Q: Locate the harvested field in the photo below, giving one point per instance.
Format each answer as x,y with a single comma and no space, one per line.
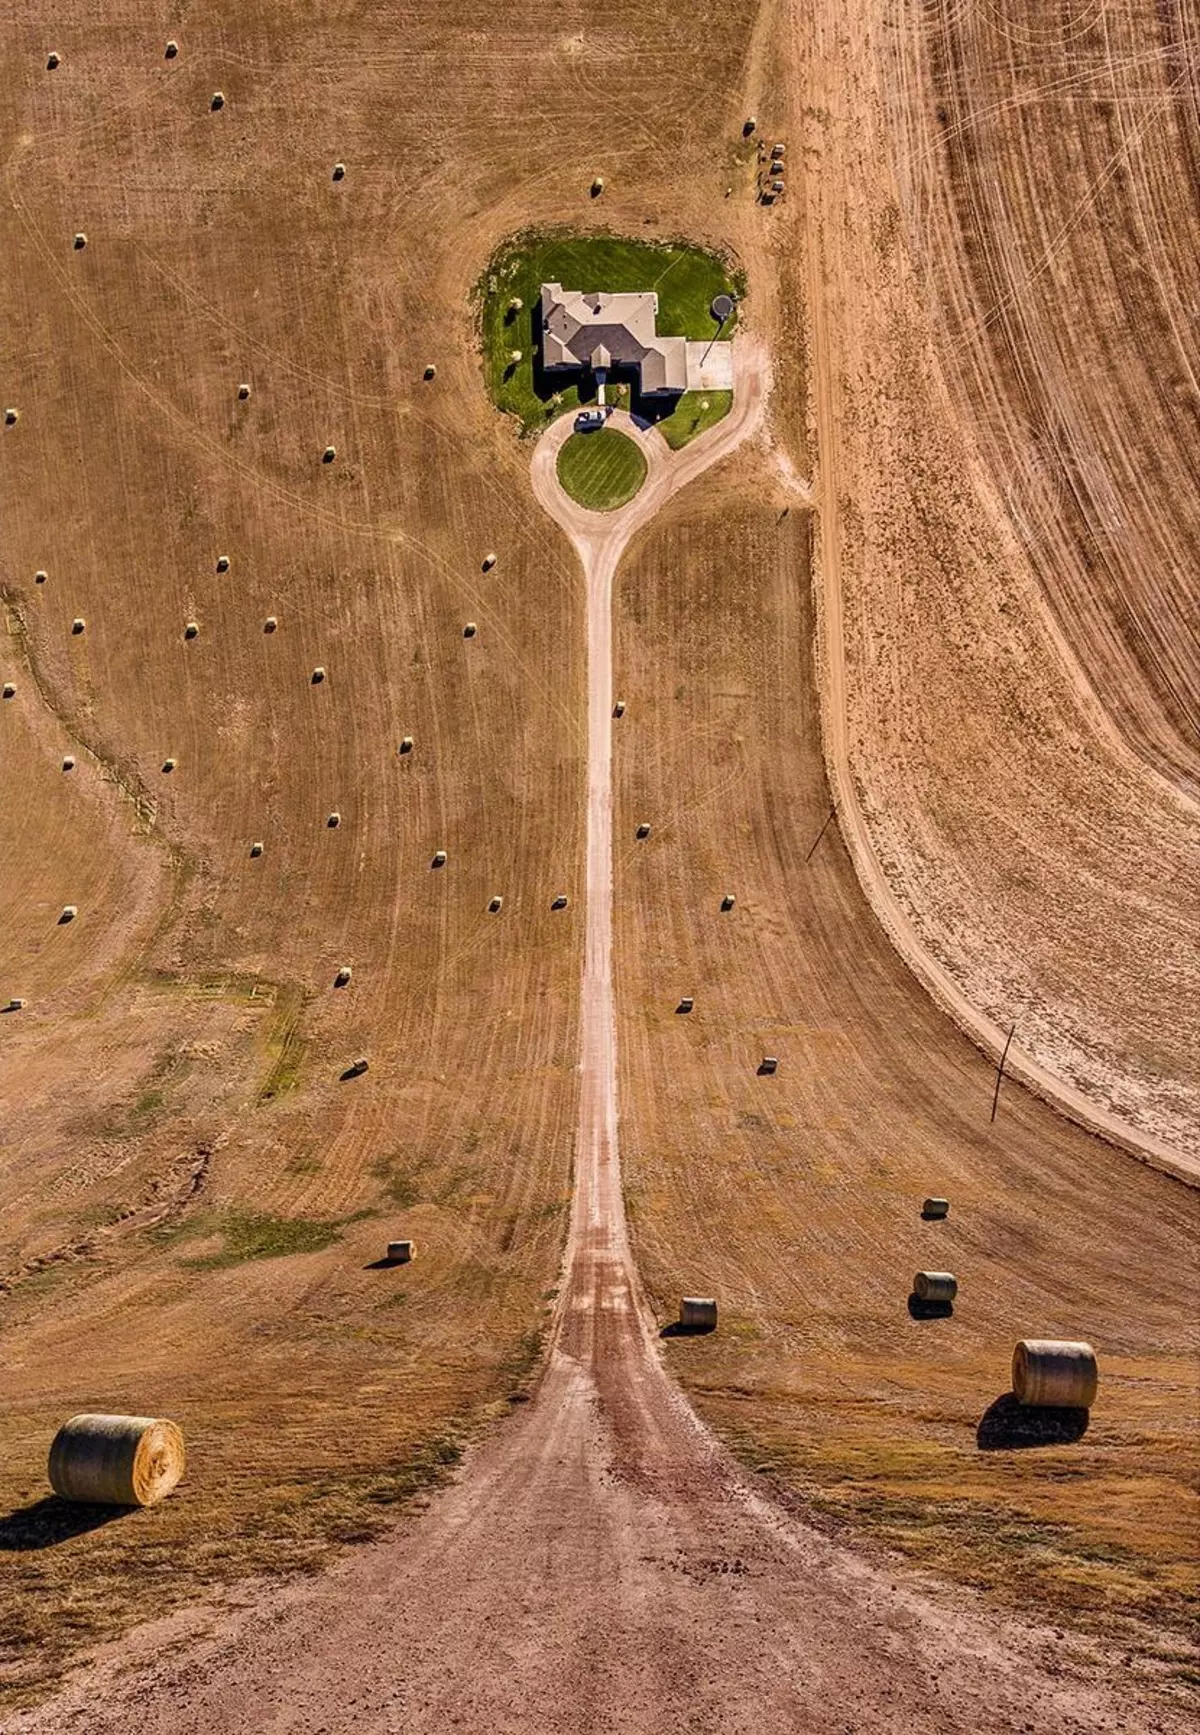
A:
203,1183
796,1199
1033,848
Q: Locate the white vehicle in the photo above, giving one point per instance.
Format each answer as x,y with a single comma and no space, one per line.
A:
586,420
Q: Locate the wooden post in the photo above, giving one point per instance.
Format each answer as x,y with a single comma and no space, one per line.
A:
821,833
1000,1070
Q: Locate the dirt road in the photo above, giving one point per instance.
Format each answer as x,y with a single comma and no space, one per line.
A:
599,1565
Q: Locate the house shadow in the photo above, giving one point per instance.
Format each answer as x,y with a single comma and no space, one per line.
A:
678,1329
1008,1425
52,1520
921,1309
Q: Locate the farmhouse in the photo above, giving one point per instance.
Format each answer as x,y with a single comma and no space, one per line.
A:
598,331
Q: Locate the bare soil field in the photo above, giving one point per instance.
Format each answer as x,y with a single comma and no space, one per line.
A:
194,1197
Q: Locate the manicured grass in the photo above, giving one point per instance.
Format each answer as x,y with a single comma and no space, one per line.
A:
685,278
602,470
694,412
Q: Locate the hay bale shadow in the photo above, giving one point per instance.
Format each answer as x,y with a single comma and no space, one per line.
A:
921,1309
678,1329
1008,1425
52,1520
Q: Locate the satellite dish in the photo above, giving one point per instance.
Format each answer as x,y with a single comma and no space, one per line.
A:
722,307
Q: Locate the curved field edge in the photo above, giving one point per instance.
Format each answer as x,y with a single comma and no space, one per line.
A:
998,846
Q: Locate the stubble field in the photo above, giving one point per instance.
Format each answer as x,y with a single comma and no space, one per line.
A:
171,1096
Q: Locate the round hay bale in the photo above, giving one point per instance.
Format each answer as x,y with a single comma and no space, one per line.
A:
339,171
597,186
222,563
80,241
749,124
559,902
728,901
768,1064
406,745
11,417
401,1252
515,356
489,560
256,849
116,1460
698,1313
495,905
470,630
686,1002
40,577
68,763
78,625
191,630
168,766
935,1286
334,820
933,1210
318,675
329,454
171,50
343,976
270,624
619,708
643,831
430,371
439,858
9,690
243,392
69,913
53,60
1054,1372
218,100
15,1005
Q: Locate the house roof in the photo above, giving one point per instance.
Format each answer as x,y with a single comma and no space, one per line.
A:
578,328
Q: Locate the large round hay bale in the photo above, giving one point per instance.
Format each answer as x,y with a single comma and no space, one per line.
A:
1052,1372
116,1460
935,1209
698,1313
935,1286
401,1252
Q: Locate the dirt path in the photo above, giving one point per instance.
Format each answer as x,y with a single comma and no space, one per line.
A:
599,1565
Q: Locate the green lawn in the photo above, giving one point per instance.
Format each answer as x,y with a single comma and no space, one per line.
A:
694,412
602,470
686,280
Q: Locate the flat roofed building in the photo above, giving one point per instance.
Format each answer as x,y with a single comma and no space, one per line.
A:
600,331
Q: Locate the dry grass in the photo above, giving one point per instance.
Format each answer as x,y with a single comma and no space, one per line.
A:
796,1199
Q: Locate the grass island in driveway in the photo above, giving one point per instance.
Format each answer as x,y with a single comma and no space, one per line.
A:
602,470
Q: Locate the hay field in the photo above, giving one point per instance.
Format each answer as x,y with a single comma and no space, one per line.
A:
192,1197
1008,834
1013,818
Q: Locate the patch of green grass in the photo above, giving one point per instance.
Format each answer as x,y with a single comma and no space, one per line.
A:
262,1235
601,470
285,1045
693,414
686,279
